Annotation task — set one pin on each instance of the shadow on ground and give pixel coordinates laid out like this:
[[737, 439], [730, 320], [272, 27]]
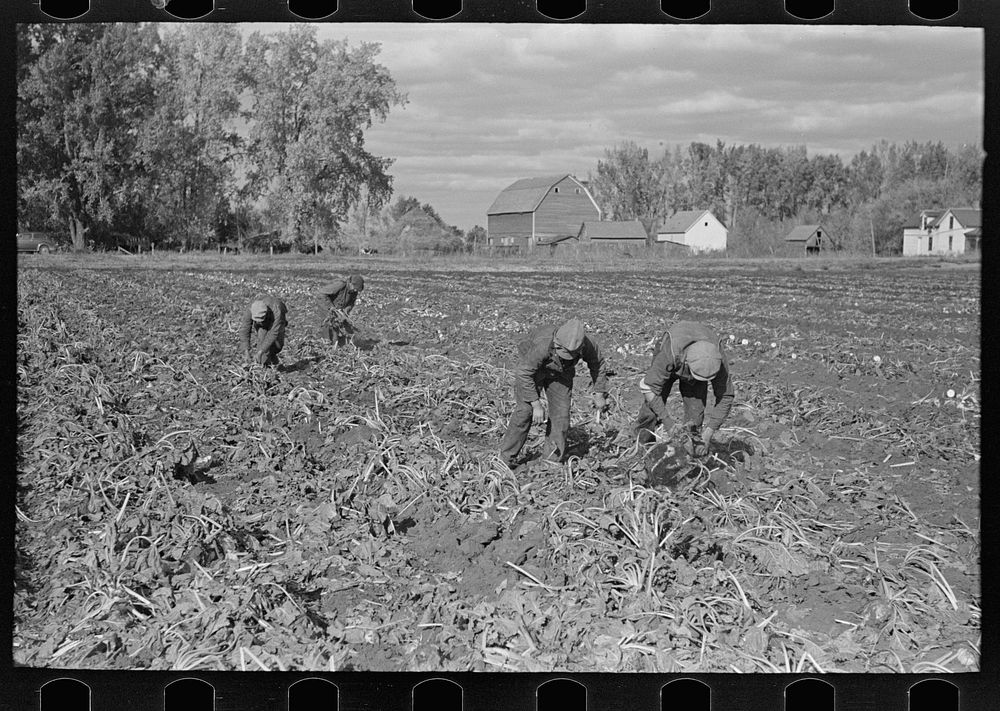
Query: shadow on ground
[[299, 365], [577, 442], [733, 450]]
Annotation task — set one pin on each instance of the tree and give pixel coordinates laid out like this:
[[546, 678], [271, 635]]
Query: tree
[[476, 238], [83, 104], [193, 141], [311, 103], [629, 186], [403, 205], [703, 178], [827, 185], [367, 224], [418, 229], [865, 176], [965, 170]]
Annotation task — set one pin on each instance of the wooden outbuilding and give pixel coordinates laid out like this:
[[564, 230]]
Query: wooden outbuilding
[[807, 241], [531, 210], [629, 233]]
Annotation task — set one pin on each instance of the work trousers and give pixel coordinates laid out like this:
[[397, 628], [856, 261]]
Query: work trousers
[[558, 393], [695, 396]]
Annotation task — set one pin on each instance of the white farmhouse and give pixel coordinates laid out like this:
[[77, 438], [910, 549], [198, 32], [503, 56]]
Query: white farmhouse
[[956, 230], [698, 230], [915, 232]]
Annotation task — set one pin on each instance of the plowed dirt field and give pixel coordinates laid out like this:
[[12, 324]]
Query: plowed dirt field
[[178, 509]]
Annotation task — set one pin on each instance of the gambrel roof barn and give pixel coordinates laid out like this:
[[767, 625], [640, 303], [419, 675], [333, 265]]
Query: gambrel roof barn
[[533, 209]]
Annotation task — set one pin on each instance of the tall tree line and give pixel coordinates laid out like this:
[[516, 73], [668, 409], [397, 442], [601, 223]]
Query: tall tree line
[[760, 193], [188, 135]]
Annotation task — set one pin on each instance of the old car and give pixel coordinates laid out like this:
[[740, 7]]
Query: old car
[[37, 242]]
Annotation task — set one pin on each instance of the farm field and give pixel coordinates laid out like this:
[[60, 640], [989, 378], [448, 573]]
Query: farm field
[[177, 509]]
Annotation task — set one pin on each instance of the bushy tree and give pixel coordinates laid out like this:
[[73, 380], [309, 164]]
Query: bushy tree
[[367, 224], [630, 186], [85, 100], [403, 204], [476, 238], [194, 132], [311, 104]]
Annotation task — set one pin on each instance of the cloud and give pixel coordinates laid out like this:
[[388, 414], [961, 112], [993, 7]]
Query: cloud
[[490, 103]]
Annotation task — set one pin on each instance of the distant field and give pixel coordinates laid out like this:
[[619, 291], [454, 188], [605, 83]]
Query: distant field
[[353, 514]]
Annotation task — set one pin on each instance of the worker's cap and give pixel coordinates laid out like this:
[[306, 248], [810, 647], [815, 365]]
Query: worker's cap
[[357, 283], [258, 310], [332, 288], [570, 336], [704, 359]]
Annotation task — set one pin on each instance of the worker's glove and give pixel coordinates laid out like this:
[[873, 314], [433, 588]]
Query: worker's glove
[[700, 445], [601, 402], [261, 358], [537, 413]]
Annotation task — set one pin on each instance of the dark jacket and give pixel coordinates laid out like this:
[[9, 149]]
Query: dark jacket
[[340, 296], [539, 364], [668, 365], [273, 325]]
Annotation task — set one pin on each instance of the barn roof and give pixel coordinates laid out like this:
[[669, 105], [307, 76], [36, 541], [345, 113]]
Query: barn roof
[[801, 233], [629, 229], [523, 195], [681, 221]]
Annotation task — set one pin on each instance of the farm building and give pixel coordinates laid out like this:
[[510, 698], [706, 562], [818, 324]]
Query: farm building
[[613, 234], [562, 243], [952, 231], [807, 241], [698, 230], [915, 232], [598, 237], [534, 209]]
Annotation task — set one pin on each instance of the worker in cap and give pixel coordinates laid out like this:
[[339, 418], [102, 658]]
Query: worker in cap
[[338, 298], [547, 362], [690, 353], [265, 319]]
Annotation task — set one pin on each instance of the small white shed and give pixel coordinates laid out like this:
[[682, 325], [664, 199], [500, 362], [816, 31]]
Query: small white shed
[[698, 230]]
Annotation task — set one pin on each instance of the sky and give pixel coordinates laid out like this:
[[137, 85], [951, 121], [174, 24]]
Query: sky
[[491, 103]]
